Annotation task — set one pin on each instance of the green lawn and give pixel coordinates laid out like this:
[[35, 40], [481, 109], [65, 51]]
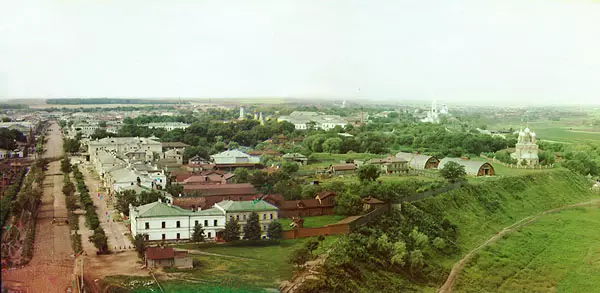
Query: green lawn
[[312, 222], [566, 130], [558, 253]]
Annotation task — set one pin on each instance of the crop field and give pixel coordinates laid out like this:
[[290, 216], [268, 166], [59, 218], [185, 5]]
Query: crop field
[[569, 130], [558, 253]]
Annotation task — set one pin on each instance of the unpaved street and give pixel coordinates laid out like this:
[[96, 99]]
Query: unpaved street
[[51, 268]]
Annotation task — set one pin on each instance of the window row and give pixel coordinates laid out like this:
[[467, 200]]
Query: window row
[[178, 224]]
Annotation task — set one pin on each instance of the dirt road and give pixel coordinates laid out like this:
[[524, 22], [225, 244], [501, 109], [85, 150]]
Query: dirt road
[[458, 267], [51, 268]]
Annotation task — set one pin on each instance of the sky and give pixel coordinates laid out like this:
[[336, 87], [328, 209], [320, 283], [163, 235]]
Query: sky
[[474, 51]]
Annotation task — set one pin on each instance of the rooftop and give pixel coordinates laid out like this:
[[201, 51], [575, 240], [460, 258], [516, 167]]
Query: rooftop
[[246, 206]]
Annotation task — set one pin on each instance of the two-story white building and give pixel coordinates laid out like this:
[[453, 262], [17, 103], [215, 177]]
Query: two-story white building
[[163, 221]]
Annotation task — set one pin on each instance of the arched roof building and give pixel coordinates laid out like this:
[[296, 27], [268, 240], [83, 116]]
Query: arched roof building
[[418, 161], [473, 168]]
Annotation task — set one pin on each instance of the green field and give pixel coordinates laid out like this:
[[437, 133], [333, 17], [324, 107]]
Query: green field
[[571, 130], [558, 253], [312, 222]]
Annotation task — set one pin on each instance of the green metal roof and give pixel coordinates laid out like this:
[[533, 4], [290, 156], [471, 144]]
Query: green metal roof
[[210, 212], [246, 206], [161, 209]]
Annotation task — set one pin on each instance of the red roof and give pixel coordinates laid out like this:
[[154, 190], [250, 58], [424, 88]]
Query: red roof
[[305, 203], [154, 253], [181, 176], [222, 189], [325, 194]]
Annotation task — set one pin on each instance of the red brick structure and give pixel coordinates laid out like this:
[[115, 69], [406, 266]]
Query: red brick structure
[[321, 205]]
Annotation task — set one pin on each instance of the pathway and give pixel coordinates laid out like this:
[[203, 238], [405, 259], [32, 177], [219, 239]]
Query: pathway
[[457, 268], [51, 268]]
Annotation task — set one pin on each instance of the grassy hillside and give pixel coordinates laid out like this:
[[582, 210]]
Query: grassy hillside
[[475, 213], [559, 252], [481, 210]]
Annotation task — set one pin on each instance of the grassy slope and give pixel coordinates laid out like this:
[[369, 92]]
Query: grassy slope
[[559, 252], [312, 222], [517, 198]]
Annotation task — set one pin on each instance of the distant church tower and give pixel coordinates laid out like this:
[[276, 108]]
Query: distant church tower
[[526, 148], [242, 112], [261, 118]]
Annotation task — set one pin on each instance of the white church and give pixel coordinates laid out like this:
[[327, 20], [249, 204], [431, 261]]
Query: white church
[[526, 149], [433, 116]]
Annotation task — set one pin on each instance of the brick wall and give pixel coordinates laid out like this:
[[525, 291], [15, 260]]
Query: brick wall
[[310, 232]]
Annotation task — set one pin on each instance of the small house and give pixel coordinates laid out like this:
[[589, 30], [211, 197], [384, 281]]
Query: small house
[[167, 257], [295, 157], [342, 169]]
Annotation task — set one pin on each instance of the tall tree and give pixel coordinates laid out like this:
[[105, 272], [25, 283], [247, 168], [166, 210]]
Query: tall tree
[[140, 244], [274, 230], [453, 171], [198, 235], [252, 229], [232, 231], [368, 172]]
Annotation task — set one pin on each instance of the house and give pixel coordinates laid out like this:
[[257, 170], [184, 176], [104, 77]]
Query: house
[[370, 203], [174, 146], [418, 161], [123, 145], [241, 210], [209, 177], [342, 169], [295, 157], [232, 159], [174, 155], [197, 160], [266, 152], [390, 165], [473, 168], [321, 205], [203, 196], [164, 221], [167, 257]]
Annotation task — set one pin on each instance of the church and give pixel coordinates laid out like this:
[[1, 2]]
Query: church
[[526, 149]]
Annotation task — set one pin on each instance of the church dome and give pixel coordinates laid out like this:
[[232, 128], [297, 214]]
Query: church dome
[[533, 134], [527, 130]]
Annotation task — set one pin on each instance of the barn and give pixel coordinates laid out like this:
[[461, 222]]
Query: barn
[[418, 161], [473, 168]]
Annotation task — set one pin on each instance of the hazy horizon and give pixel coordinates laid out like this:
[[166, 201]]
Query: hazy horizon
[[465, 52]]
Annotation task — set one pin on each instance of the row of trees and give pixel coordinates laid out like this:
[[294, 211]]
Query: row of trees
[[91, 217], [127, 197], [10, 137]]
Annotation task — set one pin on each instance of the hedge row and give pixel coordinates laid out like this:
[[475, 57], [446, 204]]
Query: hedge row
[[10, 196]]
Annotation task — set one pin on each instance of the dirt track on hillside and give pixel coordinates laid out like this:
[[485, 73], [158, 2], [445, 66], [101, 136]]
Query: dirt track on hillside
[[458, 267]]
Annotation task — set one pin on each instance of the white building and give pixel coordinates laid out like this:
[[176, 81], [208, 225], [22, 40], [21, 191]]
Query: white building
[[526, 149], [234, 157], [432, 115], [122, 145], [86, 129], [163, 221], [321, 121], [168, 126]]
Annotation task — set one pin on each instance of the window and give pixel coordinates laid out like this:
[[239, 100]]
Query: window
[[205, 223], [271, 216], [264, 216], [230, 218], [178, 236], [264, 228], [178, 224], [216, 222], [164, 236], [147, 237], [147, 226], [209, 235], [237, 217], [164, 225], [244, 217], [196, 223]]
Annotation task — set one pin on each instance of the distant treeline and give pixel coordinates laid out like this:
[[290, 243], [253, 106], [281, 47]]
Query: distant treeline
[[13, 106], [95, 101]]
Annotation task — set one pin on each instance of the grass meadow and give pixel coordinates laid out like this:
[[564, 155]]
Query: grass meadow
[[313, 222], [558, 253]]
